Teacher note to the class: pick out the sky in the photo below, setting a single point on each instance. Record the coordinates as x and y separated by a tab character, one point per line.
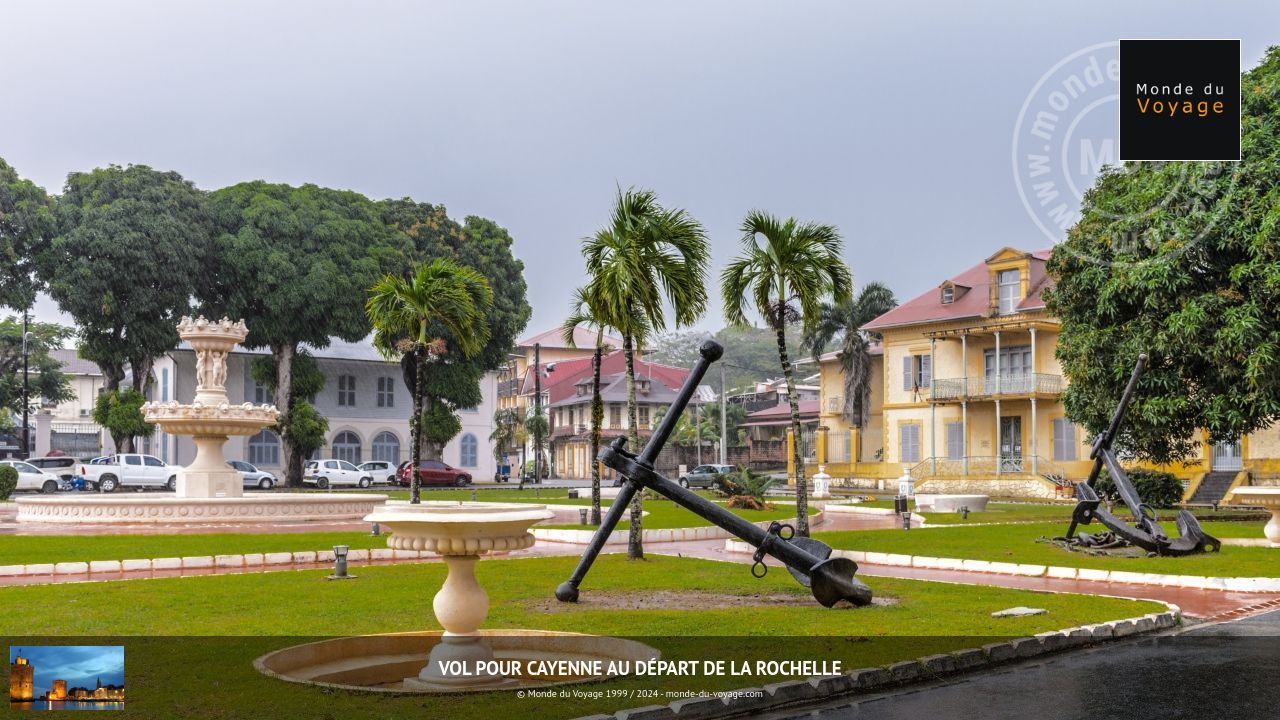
894	121
79	665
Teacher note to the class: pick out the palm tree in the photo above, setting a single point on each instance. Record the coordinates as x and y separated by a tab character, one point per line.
504	433
844	320
646	258
786	277
586	311
407	313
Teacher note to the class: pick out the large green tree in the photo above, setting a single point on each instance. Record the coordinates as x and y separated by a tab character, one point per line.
843	321
785	271
45	378
26	224
404	311
295	264
646	258
1181	261
131	245
485	247
307	427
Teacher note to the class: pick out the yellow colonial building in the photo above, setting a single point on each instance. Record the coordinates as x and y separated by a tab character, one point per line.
965	398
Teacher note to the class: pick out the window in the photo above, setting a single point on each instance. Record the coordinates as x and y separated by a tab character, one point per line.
467	456
152	461
132	460
955	441
346	446
344	465
264	448
909	443
260	394
1009	290
386	392
347	390
386	446
642	416
164	384
917	371
1064	439
615	416
948	294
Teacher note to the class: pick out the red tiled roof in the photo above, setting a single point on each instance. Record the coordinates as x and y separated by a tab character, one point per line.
973	302
559	384
783	411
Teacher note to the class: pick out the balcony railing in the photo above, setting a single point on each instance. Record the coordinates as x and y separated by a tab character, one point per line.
1006	385
986	466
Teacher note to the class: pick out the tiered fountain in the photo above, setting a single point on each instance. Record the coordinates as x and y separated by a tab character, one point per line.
428	661
208	491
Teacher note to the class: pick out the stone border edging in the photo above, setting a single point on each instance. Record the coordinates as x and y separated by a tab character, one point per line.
619	537
779	695
192	562
1233	584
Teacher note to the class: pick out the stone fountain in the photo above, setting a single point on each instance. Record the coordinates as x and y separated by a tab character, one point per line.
208	491
1265	497
428	662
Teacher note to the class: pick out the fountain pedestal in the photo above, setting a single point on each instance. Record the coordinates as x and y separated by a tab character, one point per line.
1266	497
460	533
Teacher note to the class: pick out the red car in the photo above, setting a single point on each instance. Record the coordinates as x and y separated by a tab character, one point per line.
434	472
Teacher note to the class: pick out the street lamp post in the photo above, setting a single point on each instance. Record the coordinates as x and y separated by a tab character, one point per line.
26	390
723	433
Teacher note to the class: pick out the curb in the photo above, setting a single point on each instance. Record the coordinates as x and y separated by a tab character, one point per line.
107	568
619	537
1232	584
756	700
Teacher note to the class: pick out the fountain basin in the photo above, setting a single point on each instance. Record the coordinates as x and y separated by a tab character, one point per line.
1266	497
381	663
166	508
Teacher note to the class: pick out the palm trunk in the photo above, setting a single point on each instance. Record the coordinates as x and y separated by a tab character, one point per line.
597	417
802	491
284	402
635	544
415	426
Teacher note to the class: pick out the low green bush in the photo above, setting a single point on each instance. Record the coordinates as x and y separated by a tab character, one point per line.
8	481
1157	488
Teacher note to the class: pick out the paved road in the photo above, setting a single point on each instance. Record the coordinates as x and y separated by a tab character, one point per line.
1215	672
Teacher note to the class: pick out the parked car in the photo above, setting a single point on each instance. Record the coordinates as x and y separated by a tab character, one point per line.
703	476
63	466
324	473
435	472
252	476
381	470
31	477
130	470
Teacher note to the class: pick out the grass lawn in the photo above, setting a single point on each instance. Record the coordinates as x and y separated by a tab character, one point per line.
31	549
1018	543
663	514
174	675
1009	512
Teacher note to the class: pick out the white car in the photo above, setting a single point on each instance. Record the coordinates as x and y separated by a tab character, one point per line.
252	476
31	477
381	470
324	473
130	470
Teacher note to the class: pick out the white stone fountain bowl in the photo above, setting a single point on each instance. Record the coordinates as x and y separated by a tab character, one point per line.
459	528
198	419
1266	497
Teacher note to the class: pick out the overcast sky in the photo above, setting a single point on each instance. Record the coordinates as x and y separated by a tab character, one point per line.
892	120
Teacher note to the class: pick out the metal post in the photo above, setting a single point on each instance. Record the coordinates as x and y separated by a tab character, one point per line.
964	401
999	430
933	408
26	390
724	432
1035	377
537	409
697	429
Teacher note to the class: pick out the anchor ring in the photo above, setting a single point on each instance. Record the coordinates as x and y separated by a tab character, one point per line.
764	570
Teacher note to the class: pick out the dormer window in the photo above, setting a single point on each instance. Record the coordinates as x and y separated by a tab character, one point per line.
948	294
1009	290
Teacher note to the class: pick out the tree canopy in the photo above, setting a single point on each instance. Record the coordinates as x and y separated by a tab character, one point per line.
1180	261
131	245
44	373
26	224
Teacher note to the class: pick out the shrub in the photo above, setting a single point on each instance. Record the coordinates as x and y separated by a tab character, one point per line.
1156	488
8	481
744	490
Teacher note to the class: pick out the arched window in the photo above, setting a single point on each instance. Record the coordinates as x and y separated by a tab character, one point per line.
346	446
386	446
468	451
264	448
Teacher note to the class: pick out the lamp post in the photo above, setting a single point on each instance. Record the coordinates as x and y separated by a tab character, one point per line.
26	389
340	563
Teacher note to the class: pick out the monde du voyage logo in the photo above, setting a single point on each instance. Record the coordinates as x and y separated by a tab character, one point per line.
1179	100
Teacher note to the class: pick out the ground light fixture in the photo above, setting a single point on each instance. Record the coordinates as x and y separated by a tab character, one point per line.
340	563
375	531
906	520
582	514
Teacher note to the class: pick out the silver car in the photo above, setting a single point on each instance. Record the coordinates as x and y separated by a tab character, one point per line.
252	476
704	475
381	470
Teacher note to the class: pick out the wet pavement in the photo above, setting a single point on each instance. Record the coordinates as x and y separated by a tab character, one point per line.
1210	672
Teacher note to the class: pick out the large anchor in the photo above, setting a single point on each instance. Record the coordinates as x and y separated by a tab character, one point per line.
1145	532
830	579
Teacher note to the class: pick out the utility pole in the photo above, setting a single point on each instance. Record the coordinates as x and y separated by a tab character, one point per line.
697	429
26	391
724	436
537	409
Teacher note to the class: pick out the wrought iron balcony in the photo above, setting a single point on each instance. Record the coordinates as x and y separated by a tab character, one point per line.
986	466
1020	385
